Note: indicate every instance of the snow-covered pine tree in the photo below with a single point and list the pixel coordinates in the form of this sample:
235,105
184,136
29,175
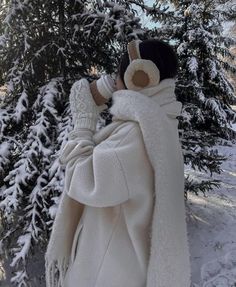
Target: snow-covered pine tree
195,29
44,47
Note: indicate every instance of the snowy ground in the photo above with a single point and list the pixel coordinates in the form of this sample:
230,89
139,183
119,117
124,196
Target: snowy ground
212,228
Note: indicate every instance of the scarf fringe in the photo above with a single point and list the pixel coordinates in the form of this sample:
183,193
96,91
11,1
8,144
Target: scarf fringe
55,271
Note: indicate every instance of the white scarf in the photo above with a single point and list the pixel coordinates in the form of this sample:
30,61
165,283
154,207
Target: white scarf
155,109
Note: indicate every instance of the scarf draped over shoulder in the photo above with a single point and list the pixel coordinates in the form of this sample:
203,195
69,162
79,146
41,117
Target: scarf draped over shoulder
156,109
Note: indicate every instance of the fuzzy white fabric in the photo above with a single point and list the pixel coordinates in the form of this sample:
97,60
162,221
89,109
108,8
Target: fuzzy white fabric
141,65
85,111
169,263
106,86
145,65
155,109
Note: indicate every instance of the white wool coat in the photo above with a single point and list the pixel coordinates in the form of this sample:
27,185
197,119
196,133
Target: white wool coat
115,181
118,173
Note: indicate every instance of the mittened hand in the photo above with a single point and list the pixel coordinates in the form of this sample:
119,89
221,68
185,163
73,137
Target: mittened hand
85,111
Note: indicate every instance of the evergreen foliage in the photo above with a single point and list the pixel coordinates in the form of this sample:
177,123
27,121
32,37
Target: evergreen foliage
195,29
44,47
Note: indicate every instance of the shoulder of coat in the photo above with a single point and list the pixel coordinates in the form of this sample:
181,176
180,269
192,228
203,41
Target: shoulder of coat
115,132
121,132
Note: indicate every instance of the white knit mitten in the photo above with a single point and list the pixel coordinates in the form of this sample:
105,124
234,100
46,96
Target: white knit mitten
85,111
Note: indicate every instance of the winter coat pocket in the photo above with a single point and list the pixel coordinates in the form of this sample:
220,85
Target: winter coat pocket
76,241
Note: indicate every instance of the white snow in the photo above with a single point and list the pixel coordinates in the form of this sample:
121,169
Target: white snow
212,69
193,64
21,106
212,227
182,48
4,150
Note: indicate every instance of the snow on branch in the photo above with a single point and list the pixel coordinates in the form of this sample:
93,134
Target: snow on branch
192,65
21,106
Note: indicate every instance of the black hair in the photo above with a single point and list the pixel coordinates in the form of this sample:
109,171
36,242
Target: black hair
158,51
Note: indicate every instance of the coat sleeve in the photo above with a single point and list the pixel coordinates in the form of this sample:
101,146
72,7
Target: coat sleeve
93,175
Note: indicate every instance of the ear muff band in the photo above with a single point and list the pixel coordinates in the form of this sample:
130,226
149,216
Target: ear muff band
133,50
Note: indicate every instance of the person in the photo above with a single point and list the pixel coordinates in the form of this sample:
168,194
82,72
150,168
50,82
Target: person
124,182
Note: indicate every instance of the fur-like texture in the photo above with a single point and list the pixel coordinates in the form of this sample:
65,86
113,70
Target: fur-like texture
146,66
169,263
155,109
132,79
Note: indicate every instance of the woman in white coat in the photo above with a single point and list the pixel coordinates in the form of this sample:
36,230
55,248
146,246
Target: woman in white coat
102,234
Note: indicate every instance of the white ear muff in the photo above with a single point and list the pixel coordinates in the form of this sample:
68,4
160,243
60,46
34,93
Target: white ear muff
140,73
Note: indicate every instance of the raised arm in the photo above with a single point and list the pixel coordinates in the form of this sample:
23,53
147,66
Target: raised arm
93,175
